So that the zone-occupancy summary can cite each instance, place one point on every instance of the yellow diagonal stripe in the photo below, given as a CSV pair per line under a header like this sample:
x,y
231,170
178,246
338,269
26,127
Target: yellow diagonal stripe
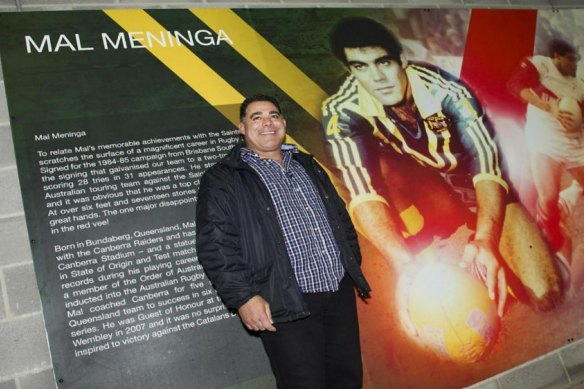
x,y
266,58
186,65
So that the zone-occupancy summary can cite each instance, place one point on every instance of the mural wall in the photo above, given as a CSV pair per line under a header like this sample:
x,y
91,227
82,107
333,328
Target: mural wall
x,y
466,192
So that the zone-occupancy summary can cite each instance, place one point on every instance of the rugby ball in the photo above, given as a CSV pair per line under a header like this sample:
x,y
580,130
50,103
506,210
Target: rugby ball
x,y
571,105
452,313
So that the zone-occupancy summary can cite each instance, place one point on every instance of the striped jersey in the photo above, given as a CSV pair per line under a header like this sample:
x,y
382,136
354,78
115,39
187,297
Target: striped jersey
x,y
452,134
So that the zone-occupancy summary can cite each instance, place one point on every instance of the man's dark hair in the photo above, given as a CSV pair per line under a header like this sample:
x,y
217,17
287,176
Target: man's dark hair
x,y
560,47
254,98
357,31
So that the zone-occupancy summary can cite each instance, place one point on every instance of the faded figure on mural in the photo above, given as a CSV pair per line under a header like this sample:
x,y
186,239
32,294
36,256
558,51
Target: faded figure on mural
x,y
410,143
554,135
278,245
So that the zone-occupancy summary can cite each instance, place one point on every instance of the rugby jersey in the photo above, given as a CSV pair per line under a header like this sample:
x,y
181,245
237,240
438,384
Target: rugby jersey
x,y
452,136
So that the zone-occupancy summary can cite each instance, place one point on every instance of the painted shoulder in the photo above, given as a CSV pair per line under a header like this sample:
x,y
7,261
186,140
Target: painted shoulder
x,y
346,96
438,81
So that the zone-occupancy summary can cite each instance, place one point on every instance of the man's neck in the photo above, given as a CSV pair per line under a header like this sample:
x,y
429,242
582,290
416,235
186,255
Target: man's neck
x,y
276,156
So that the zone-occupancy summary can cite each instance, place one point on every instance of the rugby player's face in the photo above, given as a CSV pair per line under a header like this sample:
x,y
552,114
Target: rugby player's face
x,y
383,77
264,128
567,64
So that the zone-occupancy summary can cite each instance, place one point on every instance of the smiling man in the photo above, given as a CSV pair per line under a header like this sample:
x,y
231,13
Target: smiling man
x,y
278,245
404,136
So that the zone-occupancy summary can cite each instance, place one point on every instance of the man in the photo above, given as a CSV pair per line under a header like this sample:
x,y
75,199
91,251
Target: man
x,y
555,142
277,243
390,109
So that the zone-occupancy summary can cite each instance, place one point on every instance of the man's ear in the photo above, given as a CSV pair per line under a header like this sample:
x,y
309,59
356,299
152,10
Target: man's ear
x,y
241,128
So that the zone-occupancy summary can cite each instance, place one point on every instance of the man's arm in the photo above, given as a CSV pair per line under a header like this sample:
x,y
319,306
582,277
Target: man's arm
x,y
219,252
565,118
380,225
528,96
482,154
483,250
523,82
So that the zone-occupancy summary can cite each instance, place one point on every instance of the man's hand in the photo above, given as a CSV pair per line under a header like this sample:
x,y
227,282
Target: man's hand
x,y
256,315
481,254
567,121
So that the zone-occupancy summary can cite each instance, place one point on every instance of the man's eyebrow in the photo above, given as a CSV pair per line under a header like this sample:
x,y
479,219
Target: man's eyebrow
x,y
253,114
353,63
384,58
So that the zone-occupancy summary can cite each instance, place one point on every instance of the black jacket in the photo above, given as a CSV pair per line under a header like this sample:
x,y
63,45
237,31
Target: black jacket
x,y
241,245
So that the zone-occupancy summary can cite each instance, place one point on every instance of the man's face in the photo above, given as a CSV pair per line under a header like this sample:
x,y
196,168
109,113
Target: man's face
x,y
378,73
566,64
264,128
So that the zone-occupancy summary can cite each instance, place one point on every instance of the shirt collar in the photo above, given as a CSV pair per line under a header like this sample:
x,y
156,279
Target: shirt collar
x,y
287,150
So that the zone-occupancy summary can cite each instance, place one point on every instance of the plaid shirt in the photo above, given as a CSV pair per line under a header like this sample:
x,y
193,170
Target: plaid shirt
x,y
309,239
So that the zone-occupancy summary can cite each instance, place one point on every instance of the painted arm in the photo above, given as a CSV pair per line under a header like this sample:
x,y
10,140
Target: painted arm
x,y
380,225
483,251
482,154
